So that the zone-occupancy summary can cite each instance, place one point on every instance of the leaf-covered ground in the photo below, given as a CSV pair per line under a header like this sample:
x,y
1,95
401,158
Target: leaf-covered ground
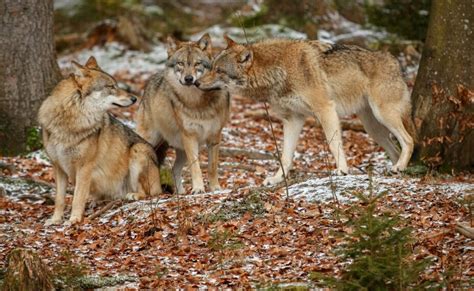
x,y
246,235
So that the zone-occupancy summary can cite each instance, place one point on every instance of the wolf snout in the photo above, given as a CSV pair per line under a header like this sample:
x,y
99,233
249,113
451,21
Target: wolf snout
x,y
188,80
197,83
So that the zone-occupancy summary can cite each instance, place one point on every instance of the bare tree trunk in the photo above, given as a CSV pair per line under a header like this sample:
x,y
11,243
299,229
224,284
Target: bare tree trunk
x,y
444,90
28,68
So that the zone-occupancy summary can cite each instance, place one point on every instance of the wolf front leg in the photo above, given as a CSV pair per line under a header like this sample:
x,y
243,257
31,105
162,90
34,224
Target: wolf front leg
x,y
81,193
59,203
291,131
191,147
213,162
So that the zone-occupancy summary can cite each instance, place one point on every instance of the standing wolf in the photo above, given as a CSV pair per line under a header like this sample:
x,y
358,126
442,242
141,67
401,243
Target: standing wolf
x,y
173,110
301,78
87,145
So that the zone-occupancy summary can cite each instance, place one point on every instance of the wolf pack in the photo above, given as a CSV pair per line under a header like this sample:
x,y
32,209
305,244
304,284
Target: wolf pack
x,y
186,106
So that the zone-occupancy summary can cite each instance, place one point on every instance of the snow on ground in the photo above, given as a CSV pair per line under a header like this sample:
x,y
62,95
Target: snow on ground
x,y
252,34
344,30
115,58
342,188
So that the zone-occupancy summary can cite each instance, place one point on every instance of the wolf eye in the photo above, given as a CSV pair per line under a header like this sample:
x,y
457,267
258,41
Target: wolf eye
x,y
197,64
181,64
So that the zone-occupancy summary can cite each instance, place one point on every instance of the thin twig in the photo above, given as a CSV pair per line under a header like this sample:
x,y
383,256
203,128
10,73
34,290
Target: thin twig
x,y
101,211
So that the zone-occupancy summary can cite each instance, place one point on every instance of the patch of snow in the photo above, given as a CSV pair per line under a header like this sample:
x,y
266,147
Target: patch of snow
x,y
251,34
116,58
344,29
342,187
40,157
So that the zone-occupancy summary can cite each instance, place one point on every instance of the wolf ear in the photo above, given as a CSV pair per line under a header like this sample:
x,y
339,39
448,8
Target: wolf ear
x,y
172,45
204,43
246,57
79,70
230,41
91,63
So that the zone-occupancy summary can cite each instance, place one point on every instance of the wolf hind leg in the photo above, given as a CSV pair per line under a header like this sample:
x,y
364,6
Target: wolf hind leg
x,y
213,162
389,105
144,173
379,133
178,166
291,131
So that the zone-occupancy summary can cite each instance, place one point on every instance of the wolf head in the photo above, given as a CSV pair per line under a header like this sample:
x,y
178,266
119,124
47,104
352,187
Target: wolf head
x,y
230,68
189,60
98,89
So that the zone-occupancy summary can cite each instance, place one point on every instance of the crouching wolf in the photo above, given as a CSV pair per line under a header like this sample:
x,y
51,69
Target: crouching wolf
x,y
174,111
100,155
301,78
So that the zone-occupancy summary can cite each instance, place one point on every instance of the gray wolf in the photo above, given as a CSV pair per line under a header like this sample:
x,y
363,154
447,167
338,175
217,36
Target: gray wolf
x,y
302,78
100,155
174,111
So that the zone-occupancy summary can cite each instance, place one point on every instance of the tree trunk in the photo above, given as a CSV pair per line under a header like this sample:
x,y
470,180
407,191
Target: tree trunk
x,y
443,96
26,271
28,68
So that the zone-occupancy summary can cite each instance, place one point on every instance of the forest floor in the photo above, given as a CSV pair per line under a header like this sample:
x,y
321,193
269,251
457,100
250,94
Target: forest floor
x,y
245,235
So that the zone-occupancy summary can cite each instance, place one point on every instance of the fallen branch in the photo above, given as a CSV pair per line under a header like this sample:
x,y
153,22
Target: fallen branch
x,y
464,229
251,154
104,209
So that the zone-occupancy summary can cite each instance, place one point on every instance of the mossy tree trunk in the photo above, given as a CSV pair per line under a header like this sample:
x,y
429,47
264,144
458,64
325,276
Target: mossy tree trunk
x,y
26,271
443,96
28,68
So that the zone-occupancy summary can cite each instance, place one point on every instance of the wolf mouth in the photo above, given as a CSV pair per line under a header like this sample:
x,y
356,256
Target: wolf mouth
x,y
120,105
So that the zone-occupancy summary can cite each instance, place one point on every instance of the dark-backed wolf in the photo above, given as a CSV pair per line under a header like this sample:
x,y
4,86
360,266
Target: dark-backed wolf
x,y
173,110
302,78
88,146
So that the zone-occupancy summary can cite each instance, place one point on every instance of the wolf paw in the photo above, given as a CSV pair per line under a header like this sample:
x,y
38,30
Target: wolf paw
x,y
73,220
396,169
270,181
197,190
53,221
340,172
133,196
216,187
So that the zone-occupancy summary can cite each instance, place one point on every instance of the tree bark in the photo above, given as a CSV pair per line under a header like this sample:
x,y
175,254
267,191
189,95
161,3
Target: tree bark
x,y
26,271
443,96
28,68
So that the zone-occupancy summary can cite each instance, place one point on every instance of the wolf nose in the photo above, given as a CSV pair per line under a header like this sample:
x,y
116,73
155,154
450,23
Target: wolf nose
x,y
133,98
189,79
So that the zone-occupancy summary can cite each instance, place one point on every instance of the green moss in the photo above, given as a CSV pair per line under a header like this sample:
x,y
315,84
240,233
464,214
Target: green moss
x,y
224,240
228,210
33,139
405,18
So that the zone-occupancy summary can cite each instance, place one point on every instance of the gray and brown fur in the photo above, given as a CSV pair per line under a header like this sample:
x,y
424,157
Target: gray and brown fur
x,y
303,78
174,111
87,146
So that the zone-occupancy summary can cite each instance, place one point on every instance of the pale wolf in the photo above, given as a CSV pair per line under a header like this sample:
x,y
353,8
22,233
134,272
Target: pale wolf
x,y
173,110
100,155
301,78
